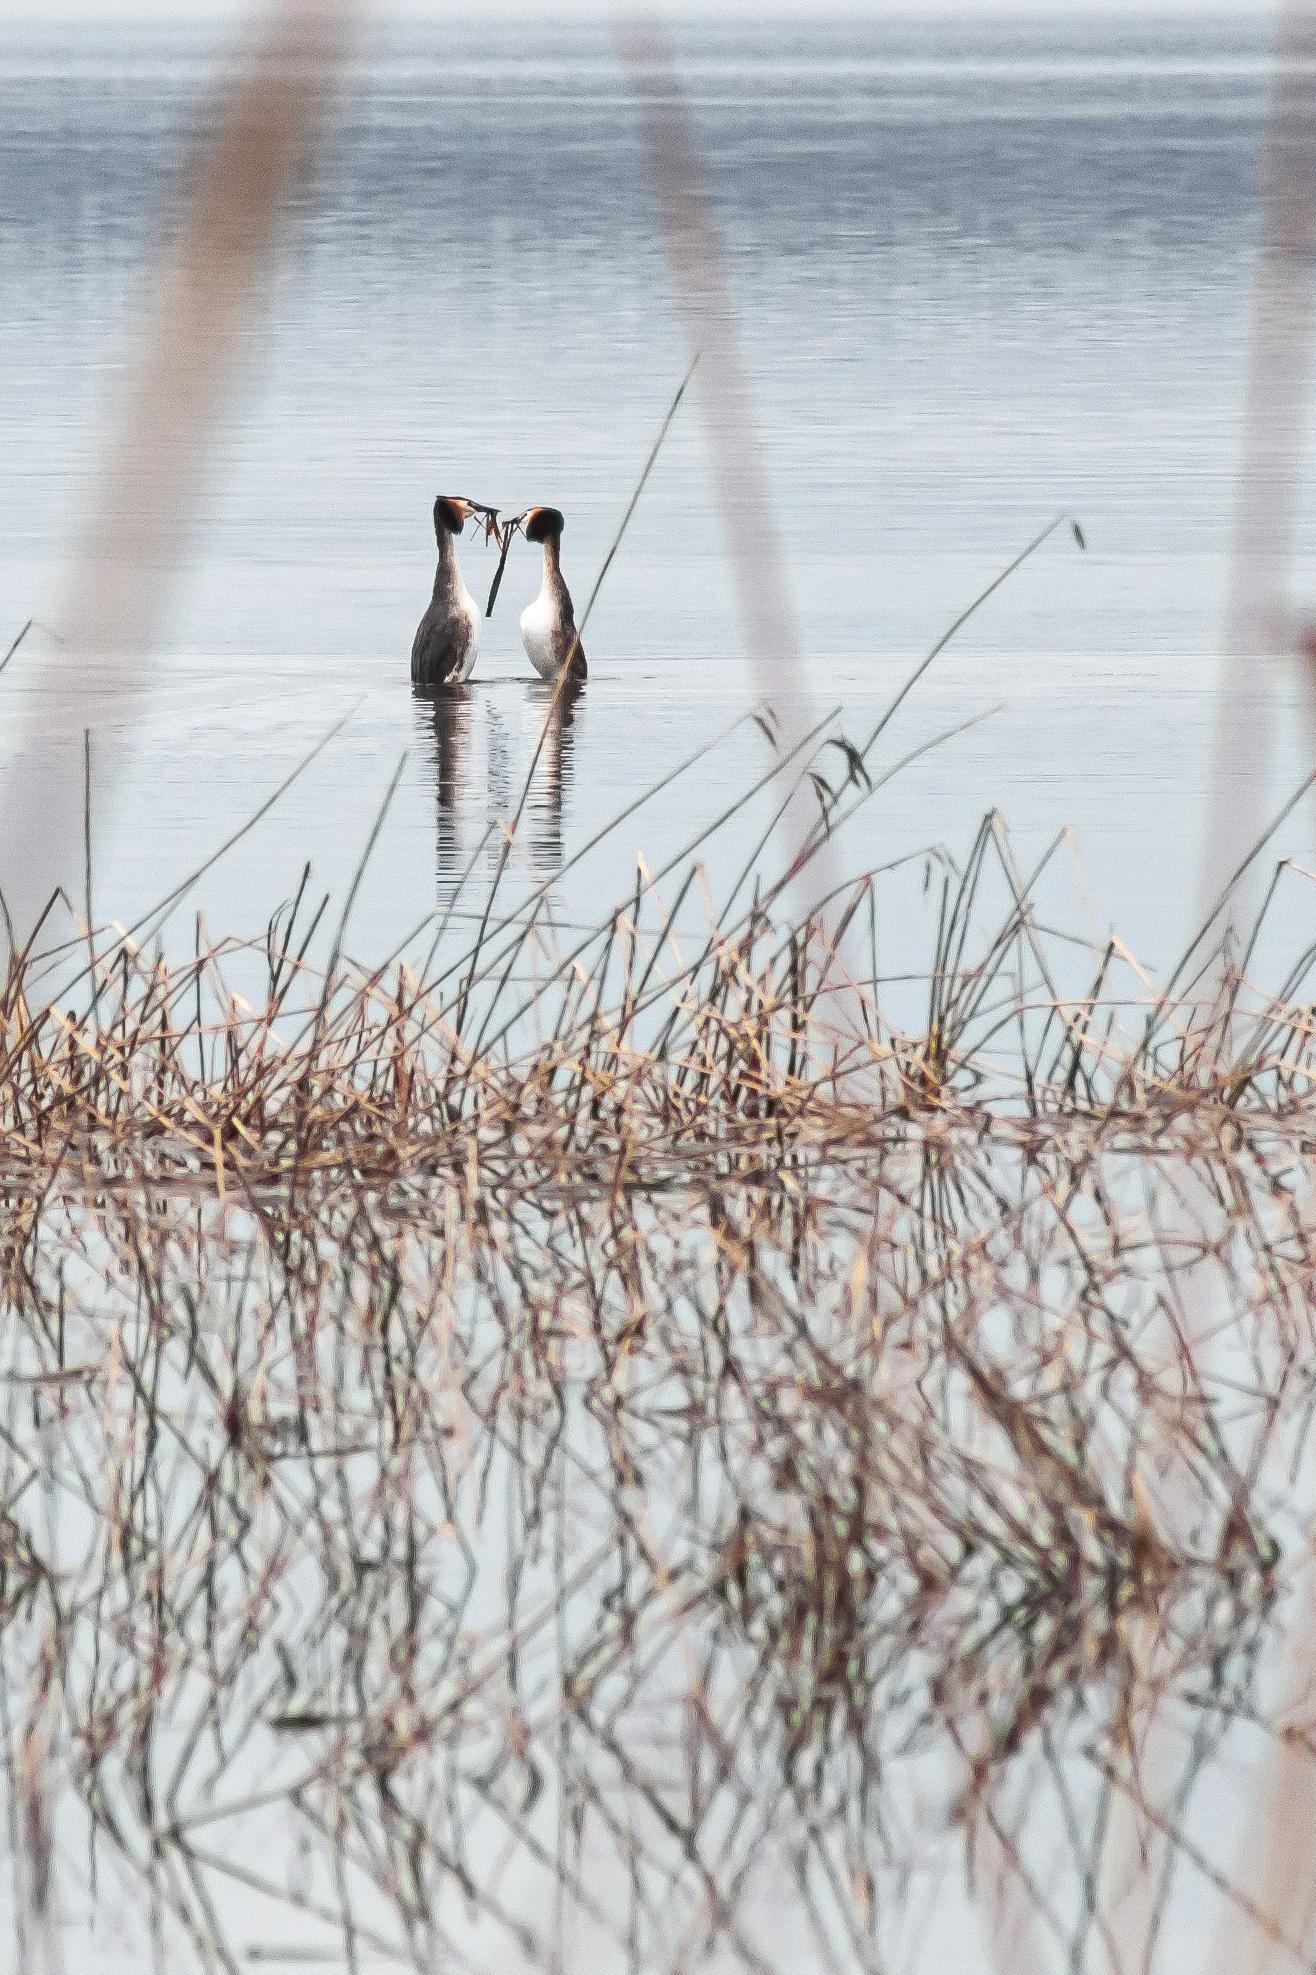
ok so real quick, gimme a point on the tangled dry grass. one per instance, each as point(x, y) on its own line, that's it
point(638, 1458)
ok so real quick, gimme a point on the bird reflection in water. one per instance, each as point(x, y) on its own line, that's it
point(556, 704)
point(447, 715)
point(445, 720)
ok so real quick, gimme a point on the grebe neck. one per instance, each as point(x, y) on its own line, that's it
point(448, 574)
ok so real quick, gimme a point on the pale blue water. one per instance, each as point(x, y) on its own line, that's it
point(980, 276)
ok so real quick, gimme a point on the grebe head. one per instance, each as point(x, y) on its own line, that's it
point(450, 515)
point(543, 524)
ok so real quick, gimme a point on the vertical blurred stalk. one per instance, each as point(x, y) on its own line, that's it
point(1258, 620)
point(1275, 1867)
point(698, 264)
point(265, 131)
point(697, 260)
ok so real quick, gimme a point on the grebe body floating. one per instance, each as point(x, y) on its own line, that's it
point(448, 640)
point(548, 626)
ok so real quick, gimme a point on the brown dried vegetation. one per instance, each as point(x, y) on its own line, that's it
point(490, 1467)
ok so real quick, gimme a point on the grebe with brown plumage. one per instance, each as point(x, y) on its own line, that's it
point(548, 625)
point(448, 639)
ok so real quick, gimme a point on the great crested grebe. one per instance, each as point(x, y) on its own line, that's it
point(548, 626)
point(448, 640)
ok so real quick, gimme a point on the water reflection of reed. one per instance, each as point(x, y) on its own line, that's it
point(442, 1427)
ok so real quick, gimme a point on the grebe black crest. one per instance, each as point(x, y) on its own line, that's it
point(450, 515)
point(541, 522)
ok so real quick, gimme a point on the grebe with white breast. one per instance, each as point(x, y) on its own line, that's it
point(548, 626)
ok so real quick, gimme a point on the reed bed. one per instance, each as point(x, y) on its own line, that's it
point(627, 1454)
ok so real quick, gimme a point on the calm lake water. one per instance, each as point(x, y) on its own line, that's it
point(981, 276)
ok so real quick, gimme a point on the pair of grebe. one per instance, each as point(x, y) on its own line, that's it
point(448, 640)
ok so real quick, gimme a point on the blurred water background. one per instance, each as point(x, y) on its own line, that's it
point(982, 274)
